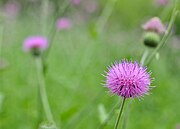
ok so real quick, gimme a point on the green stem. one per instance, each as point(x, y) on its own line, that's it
point(43, 20)
point(120, 113)
point(106, 13)
point(166, 35)
point(127, 115)
point(42, 89)
point(52, 33)
point(39, 107)
point(144, 57)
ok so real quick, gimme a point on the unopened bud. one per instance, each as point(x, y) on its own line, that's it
point(151, 39)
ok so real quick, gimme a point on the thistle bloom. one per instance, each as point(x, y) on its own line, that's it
point(35, 42)
point(155, 25)
point(128, 79)
point(63, 23)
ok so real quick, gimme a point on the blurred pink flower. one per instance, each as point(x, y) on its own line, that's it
point(154, 24)
point(162, 2)
point(91, 6)
point(63, 23)
point(76, 2)
point(12, 8)
point(35, 42)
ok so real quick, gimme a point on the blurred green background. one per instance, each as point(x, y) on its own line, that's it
point(77, 60)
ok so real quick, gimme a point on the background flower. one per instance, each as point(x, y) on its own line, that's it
point(162, 2)
point(75, 2)
point(154, 24)
point(12, 9)
point(63, 23)
point(38, 42)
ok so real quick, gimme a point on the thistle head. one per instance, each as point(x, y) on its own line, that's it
point(154, 25)
point(128, 79)
point(36, 44)
point(151, 39)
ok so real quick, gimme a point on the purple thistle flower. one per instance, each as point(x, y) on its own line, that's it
point(63, 23)
point(154, 24)
point(128, 79)
point(35, 42)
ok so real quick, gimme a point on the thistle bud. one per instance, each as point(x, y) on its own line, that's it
point(151, 39)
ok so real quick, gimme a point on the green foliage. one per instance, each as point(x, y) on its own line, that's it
point(75, 64)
